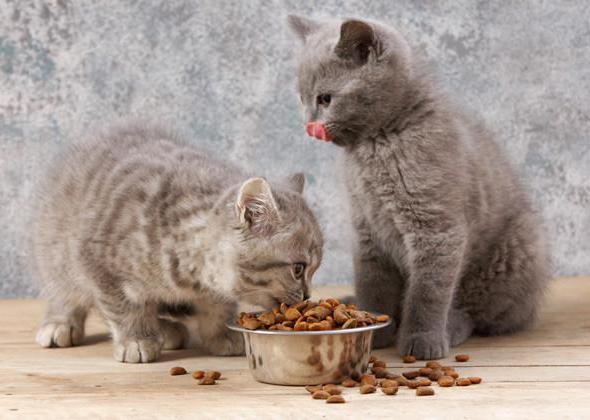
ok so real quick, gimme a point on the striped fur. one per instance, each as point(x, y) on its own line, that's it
point(137, 219)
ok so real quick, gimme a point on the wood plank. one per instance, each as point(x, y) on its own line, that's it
point(543, 373)
point(516, 400)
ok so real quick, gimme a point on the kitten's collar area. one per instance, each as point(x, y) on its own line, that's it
point(318, 130)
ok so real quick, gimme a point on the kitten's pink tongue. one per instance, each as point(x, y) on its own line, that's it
point(317, 130)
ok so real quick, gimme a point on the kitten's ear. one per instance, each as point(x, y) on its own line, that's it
point(297, 182)
point(256, 206)
point(357, 41)
point(302, 26)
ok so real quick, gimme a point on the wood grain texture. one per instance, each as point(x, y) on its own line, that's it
point(542, 373)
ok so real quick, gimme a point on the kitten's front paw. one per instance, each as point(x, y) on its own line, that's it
point(56, 334)
point(141, 350)
point(424, 345)
point(229, 343)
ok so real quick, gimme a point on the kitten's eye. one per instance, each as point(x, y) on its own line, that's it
point(324, 99)
point(298, 269)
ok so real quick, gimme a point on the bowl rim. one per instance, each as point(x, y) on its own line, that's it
point(234, 327)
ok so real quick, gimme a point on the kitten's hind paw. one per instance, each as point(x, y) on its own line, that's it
point(137, 350)
point(58, 334)
point(424, 345)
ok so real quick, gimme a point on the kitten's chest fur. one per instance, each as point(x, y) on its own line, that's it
point(377, 193)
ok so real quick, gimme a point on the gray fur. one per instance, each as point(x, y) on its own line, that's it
point(448, 242)
point(136, 221)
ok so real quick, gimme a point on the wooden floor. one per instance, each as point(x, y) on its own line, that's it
point(544, 373)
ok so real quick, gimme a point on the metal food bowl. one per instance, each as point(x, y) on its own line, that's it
point(307, 357)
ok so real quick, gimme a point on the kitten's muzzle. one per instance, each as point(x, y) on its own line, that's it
point(318, 130)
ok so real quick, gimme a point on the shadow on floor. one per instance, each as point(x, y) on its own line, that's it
point(95, 339)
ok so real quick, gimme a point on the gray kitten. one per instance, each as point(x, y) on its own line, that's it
point(447, 238)
point(141, 224)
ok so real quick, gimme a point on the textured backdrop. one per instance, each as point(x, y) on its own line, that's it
point(222, 72)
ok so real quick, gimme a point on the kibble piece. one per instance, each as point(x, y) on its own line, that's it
point(320, 395)
point(368, 380)
point(351, 323)
point(425, 371)
point(379, 372)
point(332, 389)
point(409, 359)
point(177, 370)
point(435, 375)
point(292, 314)
point(313, 388)
point(301, 326)
point(207, 381)
point(349, 383)
point(411, 374)
point(372, 359)
point(341, 316)
point(315, 326)
point(198, 374)
point(251, 323)
point(462, 357)
point(267, 318)
point(413, 384)
point(389, 383)
point(474, 380)
point(424, 382)
point(451, 373)
point(213, 374)
point(333, 302)
point(379, 363)
point(403, 381)
point(283, 308)
point(424, 391)
point(394, 376)
point(368, 389)
point(335, 399)
point(389, 390)
point(433, 365)
point(463, 382)
point(446, 381)
point(382, 318)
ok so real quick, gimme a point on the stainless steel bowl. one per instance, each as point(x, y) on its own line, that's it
point(307, 357)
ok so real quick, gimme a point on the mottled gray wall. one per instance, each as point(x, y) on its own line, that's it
point(222, 72)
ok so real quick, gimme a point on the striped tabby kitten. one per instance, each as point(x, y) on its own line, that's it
point(448, 240)
point(140, 224)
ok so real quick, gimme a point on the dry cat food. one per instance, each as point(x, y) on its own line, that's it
point(177, 370)
point(409, 359)
point(389, 391)
point(368, 380)
point(367, 389)
point(327, 314)
point(424, 391)
point(349, 383)
point(463, 382)
point(332, 389)
point(389, 383)
point(205, 378)
point(446, 381)
point(462, 357)
point(320, 395)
